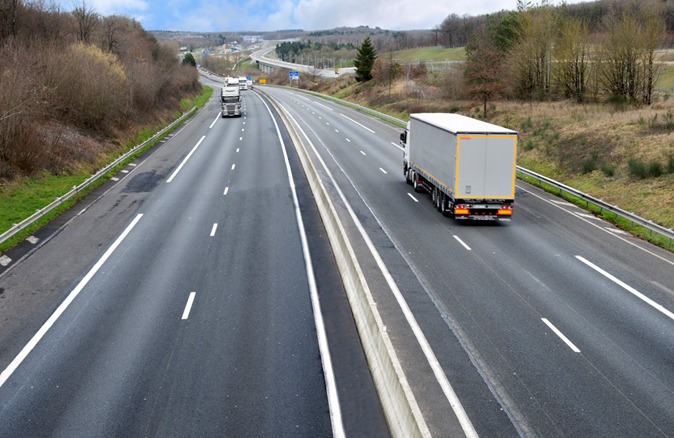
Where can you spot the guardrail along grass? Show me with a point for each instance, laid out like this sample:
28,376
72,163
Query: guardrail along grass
20,200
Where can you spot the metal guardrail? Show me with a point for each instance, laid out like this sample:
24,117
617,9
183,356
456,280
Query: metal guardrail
617,211
14,229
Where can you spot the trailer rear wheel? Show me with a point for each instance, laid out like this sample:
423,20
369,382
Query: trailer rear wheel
443,206
408,177
440,198
417,186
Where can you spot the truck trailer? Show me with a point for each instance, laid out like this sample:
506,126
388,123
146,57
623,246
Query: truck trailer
467,165
230,98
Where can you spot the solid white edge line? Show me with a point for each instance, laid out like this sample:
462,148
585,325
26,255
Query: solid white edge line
438,372
349,118
326,359
188,306
185,160
215,227
596,225
458,239
320,104
561,335
214,121
628,288
6,374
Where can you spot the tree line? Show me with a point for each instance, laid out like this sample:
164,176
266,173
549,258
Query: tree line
543,52
71,76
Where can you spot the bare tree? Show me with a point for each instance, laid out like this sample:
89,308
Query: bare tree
112,27
571,53
482,73
86,19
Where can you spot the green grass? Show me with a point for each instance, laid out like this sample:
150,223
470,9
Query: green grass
22,200
429,54
666,79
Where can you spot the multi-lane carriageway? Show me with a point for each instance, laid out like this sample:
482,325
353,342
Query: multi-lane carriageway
195,311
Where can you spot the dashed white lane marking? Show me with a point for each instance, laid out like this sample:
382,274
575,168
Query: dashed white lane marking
561,335
363,153
215,227
458,239
188,306
226,191
233,166
383,171
413,198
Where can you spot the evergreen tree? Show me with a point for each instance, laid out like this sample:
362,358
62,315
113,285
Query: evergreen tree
189,60
365,60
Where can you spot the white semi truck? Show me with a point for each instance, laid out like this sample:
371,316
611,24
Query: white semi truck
230,98
467,165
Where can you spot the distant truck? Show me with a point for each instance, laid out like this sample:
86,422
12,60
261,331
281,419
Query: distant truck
243,83
467,165
230,98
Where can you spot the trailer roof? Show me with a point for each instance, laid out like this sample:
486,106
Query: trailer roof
458,124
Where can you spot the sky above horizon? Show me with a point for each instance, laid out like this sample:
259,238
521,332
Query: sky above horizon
270,15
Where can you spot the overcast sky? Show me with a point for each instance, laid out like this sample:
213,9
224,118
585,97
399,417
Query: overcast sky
270,15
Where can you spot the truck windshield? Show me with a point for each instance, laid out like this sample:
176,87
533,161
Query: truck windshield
230,99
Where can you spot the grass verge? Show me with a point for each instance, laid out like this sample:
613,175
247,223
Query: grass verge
23,200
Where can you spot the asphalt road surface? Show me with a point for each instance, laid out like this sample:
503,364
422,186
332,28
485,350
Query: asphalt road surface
178,301
553,324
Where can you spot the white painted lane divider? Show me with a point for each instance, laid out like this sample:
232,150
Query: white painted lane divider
188,306
363,153
215,227
226,191
326,359
6,374
561,335
233,166
413,198
383,171
628,288
362,126
458,239
185,160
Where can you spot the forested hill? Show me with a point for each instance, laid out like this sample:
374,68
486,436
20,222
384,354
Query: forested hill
73,84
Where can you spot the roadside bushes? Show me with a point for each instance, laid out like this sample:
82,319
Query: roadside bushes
65,102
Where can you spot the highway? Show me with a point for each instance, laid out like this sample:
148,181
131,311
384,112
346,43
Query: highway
181,299
554,324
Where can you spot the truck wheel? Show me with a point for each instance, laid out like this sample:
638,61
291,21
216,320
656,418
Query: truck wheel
439,199
443,206
408,178
417,187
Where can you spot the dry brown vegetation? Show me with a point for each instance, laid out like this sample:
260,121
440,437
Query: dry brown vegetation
74,86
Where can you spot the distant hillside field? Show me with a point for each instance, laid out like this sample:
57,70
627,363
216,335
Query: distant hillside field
430,54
